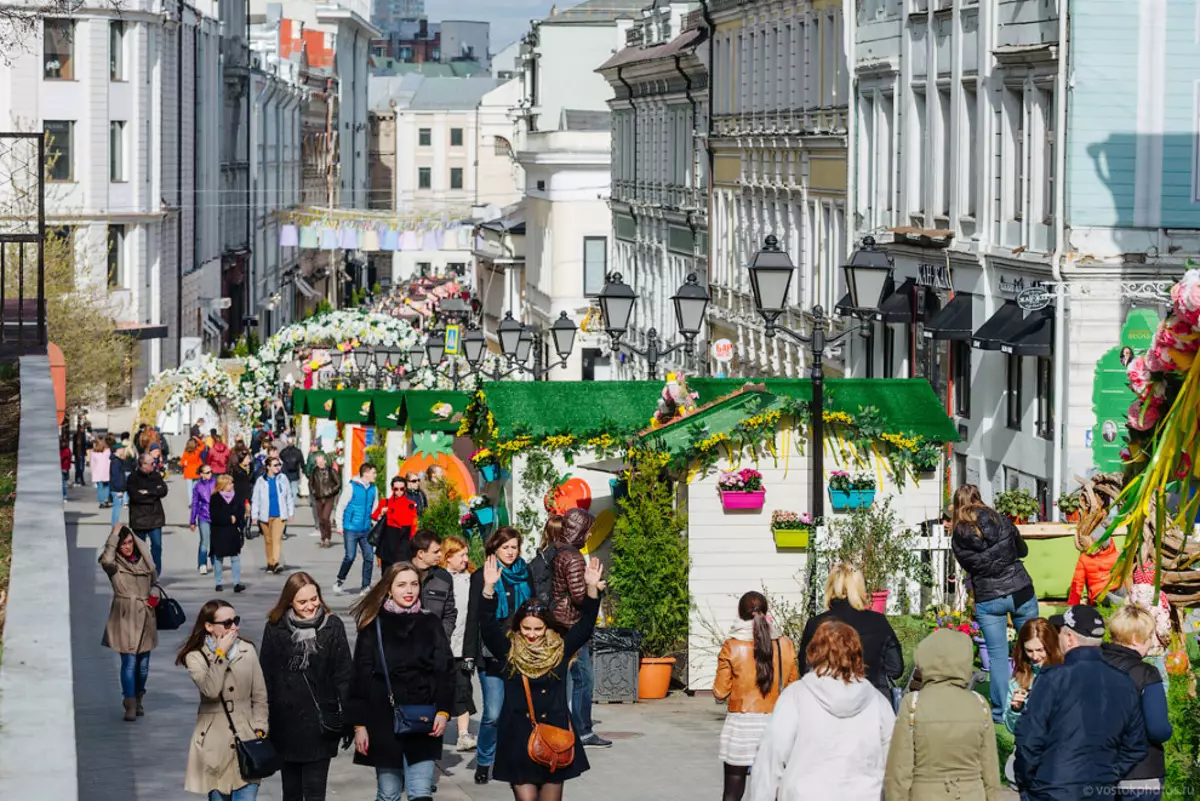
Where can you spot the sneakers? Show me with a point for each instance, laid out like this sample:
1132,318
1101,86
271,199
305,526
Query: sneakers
594,740
364,591
239,587
466,742
338,588
204,570
219,588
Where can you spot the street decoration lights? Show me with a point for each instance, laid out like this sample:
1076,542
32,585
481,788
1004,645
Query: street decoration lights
616,307
867,274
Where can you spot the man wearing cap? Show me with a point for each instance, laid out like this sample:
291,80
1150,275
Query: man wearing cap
1082,729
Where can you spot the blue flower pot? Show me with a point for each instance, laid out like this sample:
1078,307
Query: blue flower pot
843,500
486,515
488,472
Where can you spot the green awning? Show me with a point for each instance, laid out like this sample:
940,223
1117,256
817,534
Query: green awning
548,407
418,414
723,416
313,402
389,409
299,401
353,406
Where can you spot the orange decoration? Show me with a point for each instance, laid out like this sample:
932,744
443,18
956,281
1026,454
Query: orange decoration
573,493
432,449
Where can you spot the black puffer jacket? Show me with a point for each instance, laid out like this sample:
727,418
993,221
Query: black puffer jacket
991,554
882,655
146,491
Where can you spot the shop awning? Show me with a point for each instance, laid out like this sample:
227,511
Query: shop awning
139,331
994,332
898,307
955,321
1034,336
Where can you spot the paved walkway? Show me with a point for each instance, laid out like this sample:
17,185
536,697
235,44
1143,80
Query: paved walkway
664,751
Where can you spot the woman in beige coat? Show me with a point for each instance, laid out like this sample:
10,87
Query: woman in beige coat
225,669
131,630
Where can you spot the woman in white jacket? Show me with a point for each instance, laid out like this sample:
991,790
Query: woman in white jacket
272,506
829,735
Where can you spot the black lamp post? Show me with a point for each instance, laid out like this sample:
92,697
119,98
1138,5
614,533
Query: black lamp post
771,272
616,306
518,341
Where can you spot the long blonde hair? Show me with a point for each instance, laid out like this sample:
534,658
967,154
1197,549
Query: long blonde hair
846,581
967,503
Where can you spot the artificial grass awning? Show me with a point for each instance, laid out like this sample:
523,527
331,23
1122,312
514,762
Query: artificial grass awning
418,414
353,406
313,402
388,406
542,408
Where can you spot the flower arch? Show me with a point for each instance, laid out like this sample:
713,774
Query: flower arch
213,380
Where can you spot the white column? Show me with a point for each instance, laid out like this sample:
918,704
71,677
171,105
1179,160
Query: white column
305,444
396,449
347,441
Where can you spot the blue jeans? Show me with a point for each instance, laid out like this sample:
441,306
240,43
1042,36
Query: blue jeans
205,529
155,537
579,689
993,621
416,778
66,477
492,687
101,492
191,485
135,668
219,572
247,793
353,540
118,503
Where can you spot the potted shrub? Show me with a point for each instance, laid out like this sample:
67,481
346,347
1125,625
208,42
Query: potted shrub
791,529
742,489
1018,505
1068,504
876,541
486,463
648,576
926,458
851,491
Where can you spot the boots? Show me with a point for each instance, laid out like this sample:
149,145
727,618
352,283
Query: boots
130,708
141,710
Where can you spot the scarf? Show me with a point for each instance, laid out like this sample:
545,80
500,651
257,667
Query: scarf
210,643
304,638
396,609
514,578
534,660
744,630
227,495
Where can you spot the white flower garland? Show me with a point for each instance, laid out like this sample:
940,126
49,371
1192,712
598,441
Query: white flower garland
209,381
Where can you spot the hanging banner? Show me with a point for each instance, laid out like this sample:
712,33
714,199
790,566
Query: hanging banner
1111,395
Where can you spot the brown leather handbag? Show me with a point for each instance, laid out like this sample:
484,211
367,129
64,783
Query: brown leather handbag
549,746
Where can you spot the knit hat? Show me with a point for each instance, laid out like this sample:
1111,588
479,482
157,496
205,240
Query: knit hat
576,525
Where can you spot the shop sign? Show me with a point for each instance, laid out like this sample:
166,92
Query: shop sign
935,276
1035,298
722,351
1015,286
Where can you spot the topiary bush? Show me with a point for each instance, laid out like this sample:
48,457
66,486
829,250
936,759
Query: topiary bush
1183,749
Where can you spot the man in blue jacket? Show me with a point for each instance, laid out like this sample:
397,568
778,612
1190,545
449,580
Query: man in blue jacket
1082,729
354,524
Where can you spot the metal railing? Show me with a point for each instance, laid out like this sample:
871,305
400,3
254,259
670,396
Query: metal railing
22,242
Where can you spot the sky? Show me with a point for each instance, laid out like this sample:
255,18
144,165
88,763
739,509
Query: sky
509,18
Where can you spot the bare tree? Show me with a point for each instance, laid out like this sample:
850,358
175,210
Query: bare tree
20,21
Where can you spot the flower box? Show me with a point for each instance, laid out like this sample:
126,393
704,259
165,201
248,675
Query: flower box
743,500
485,515
791,537
841,500
489,472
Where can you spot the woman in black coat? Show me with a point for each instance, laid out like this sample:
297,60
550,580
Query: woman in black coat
420,668
227,513
306,662
536,659
846,600
242,471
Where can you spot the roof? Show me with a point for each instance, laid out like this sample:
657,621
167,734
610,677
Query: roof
597,11
583,120
452,93
430,69
688,40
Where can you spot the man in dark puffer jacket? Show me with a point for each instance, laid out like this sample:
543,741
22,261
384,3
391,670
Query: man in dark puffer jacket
570,590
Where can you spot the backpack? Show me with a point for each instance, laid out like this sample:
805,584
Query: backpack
541,573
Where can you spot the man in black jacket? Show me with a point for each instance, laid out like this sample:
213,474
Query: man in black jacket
146,490
437,586
292,459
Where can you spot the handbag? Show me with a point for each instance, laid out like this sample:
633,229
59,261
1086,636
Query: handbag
257,758
406,718
332,720
376,532
168,614
549,746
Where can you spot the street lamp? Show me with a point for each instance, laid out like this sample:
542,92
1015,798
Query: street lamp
416,356
867,273
616,306
518,341
509,334
435,347
473,346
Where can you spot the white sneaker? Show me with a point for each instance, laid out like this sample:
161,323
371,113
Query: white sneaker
338,588
204,570
364,591
466,742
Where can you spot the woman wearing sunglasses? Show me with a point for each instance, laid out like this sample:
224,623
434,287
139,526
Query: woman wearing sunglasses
225,669
202,492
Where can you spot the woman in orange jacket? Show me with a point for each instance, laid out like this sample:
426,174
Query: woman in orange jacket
1093,570
191,460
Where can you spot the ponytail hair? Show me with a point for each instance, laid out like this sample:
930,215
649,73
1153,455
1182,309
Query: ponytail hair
753,606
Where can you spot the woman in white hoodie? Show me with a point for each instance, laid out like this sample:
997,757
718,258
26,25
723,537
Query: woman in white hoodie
829,735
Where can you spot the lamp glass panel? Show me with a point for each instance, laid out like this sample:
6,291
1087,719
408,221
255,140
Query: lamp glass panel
473,345
564,340
435,348
617,310
416,357
689,313
866,286
524,347
509,336
770,286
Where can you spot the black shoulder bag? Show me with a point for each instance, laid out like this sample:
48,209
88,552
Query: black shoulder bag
168,614
257,758
407,718
329,712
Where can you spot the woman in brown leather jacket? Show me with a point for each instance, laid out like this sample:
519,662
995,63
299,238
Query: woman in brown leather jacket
754,666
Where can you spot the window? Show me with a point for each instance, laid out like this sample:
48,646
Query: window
1013,396
946,167
1014,116
970,161
61,239
58,50
116,151
424,268
889,351
456,137
960,359
59,134
887,182
116,50
919,156
456,267
456,177
1045,398
595,264
424,137
424,177
1046,105
116,256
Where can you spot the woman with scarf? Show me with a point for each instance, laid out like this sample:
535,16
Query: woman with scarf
513,589
306,663
402,660
201,516
535,655
227,510
131,629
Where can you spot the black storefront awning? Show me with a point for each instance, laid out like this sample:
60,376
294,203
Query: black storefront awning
843,307
995,331
898,307
1033,337
956,320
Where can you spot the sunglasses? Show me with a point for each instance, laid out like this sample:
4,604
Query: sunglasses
206,472
236,620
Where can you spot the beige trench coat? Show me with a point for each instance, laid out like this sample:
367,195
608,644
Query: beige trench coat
131,628
212,760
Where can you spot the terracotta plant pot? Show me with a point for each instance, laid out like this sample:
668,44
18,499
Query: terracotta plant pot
1073,517
654,677
879,600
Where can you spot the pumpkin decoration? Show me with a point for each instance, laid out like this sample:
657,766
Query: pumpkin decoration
1177,657
568,493
435,449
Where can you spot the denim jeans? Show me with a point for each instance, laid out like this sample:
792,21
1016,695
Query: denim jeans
247,793
79,462
191,485
118,503
353,540
416,778
135,668
155,537
205,529
102,492
492,687
219,571
66,477
579,690
993,621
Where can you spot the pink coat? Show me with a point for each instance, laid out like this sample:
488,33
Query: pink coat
99,462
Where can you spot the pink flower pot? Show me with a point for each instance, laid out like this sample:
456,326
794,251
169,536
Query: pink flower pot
879,601
743,500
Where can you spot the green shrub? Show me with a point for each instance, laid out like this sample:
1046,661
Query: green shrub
1183,749
444,513
874,539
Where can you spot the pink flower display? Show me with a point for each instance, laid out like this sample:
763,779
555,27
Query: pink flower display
1157,361
1143,415
1185,297
1139,376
